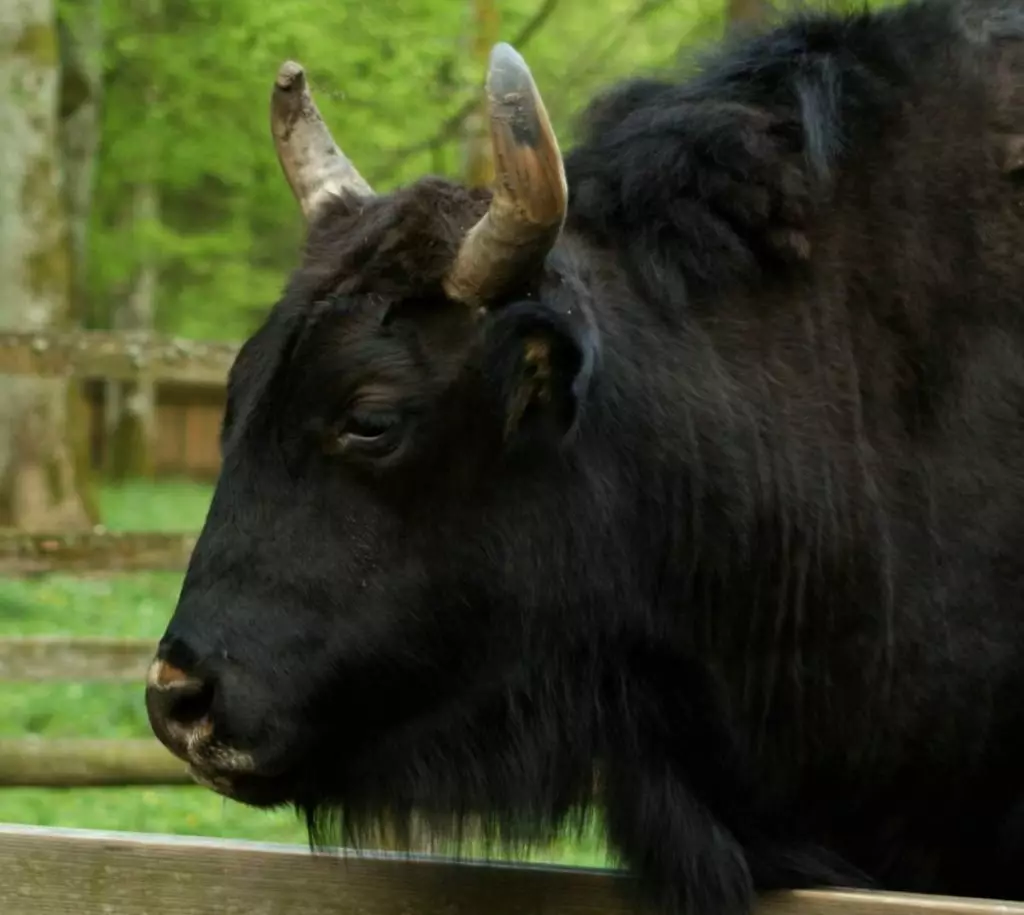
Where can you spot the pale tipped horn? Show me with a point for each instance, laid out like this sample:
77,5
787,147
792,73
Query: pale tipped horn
315,167
530,192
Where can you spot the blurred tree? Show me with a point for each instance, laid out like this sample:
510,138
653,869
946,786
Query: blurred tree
478,170
129,420
39,486
397,89
80,44
399,82
746,14
80,33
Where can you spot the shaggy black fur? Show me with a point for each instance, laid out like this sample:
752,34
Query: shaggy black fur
718,527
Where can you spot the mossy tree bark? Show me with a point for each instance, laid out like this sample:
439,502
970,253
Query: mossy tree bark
80,45
39,486
80,42
478,165
130,421
131,406
746,15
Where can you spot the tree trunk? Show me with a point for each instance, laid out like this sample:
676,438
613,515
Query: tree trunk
81,46
80,35
746,15
131,406
130,421
39,487
478,168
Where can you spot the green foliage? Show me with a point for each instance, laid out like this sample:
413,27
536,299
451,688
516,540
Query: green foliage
187,85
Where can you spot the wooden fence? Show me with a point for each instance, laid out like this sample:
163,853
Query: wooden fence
98,550
189,378
82,762
121,356
57,871
33,761
186,441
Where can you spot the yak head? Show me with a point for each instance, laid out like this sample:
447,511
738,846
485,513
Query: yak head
391,604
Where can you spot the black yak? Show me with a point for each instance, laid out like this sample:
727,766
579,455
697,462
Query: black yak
680,479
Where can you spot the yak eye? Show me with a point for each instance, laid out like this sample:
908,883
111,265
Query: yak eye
369,424
372,432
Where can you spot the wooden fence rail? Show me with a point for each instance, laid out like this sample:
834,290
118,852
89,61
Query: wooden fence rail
116,355
96,551
82,763
49,658
57,871
54,762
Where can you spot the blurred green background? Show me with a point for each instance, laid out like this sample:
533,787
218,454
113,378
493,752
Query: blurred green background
187,86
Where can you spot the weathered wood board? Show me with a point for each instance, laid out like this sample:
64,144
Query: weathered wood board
56,658
120,355
53,762
58,872
99,551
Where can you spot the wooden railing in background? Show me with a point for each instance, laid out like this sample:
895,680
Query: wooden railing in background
189,379
122,356
47,762
96,551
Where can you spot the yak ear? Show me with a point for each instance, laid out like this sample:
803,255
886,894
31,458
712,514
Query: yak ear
542,361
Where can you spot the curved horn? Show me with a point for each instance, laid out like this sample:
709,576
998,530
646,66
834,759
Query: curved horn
315,167
528,206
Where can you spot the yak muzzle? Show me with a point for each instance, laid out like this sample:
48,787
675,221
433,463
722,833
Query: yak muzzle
180,708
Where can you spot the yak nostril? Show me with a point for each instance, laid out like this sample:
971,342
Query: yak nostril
177,703
191,705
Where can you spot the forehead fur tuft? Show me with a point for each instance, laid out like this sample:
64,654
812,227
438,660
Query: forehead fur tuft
398,245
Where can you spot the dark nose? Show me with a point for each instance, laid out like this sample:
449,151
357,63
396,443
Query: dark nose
178,705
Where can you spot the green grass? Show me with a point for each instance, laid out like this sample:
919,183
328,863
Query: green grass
132,605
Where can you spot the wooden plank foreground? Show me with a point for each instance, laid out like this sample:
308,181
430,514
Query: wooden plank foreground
54,762
49,658
98,550
118,355
59,871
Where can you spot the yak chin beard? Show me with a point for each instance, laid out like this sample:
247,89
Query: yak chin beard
512,774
